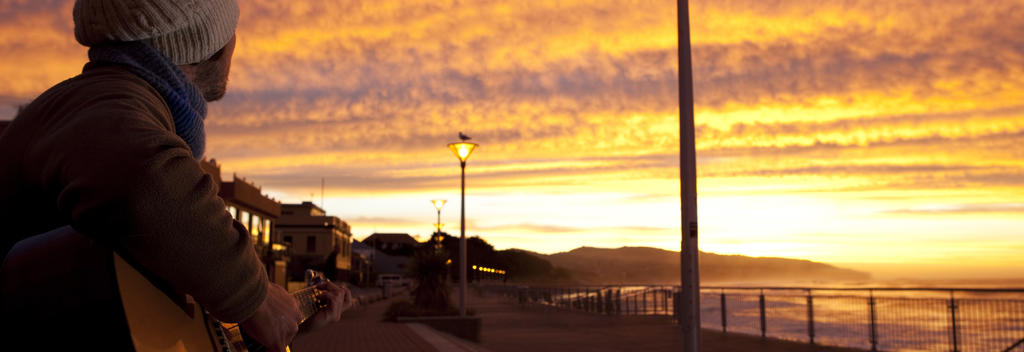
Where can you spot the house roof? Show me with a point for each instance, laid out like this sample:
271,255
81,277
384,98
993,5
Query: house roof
241,191
304,208
400,238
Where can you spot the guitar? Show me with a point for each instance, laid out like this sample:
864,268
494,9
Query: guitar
155,318
158,323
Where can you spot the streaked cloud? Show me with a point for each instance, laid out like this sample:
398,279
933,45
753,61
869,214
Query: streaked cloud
859,112
940,209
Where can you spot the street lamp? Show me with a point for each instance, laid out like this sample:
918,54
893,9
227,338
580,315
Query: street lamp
438,204
462,151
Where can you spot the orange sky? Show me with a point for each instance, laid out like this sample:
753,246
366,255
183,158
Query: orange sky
844,132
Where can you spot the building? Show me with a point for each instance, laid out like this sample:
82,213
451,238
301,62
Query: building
318,241
258,213
399,244
378,262
362,264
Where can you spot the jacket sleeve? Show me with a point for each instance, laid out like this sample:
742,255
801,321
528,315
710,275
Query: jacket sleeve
125,179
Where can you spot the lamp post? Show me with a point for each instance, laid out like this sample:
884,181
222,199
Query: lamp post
689,295
462,151
438,204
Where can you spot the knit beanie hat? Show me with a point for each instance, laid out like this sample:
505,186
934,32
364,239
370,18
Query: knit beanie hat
187,31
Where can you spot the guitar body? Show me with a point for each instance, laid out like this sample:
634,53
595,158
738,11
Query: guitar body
158,323
63,291
58,292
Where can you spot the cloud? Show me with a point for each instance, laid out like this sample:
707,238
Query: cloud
386,221
859,97
951,209
555,229
486,176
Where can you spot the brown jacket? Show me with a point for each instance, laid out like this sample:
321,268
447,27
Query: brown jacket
98,152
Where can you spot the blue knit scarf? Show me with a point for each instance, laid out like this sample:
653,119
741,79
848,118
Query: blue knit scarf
182,97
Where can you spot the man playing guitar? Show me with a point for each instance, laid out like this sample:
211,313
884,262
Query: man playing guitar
112,154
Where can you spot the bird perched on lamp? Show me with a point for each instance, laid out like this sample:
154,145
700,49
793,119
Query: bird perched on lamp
463,137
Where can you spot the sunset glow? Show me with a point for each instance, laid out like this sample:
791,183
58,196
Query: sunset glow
861,132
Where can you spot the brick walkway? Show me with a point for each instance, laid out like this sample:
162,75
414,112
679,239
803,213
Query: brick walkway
361,329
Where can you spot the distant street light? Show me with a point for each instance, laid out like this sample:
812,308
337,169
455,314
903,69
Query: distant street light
438,204
462,151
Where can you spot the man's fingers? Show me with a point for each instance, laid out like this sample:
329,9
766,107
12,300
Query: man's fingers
331,288
348,299
339,299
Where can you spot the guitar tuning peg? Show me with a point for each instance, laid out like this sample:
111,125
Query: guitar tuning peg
314,277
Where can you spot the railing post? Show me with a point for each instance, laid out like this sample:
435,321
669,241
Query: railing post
810,316
664,298
654,302
578,299
952,318
627,310
593,301
618,301
874,325
586,300
609,307
645,300
675,303
764,326
723,310
636,305
607,303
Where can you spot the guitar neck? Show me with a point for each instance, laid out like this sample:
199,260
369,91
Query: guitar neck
309,303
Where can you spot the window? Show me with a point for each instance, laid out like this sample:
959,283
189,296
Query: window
244,219
233,211
311,244
256,227
266,231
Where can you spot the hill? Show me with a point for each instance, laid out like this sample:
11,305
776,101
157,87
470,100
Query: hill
646,265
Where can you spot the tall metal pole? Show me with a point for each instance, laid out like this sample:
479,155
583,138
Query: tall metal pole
462,247
689,317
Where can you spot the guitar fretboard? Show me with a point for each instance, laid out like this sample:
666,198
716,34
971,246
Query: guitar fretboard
309,304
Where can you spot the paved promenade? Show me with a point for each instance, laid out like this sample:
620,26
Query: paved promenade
361,329
509,327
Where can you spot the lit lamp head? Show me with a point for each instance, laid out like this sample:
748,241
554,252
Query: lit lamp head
462,150
439,203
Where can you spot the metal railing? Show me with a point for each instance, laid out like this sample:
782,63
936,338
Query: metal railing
876,319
